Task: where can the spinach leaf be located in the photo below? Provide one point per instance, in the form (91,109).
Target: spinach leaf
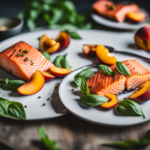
(50,144)
(16,109)
(84,87)
(46,55)
(130,108)
(86,74)
(94,100)
(122,68)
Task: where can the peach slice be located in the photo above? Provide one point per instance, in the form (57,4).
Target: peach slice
(59,72)
(34,86)
(48,76)
(136,16)
(53,48)
(42,41)
(49,42)
(142,94)
(142,38)
(111,103)
(104,55)
(64,39)
(89,50)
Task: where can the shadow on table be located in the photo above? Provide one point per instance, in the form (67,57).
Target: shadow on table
(4,146)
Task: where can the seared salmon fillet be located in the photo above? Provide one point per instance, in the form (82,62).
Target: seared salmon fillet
(113,11)
(101,83)
(22,60)
(139,74)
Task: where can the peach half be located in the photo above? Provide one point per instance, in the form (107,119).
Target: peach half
(53,48)
(34,86)
(42,42)
(104,55)
(49,42)
(48,76)
(136,16)
(59,72)
(142,38)
(64,39)
(112,102)
(142,94)
(89,50)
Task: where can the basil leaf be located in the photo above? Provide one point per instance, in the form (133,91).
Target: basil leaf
(33,14)
(146,139)
(86,74)
(130,108)
(46,55)
(65,63)
(73,34)
(16,109)
(4,106)
(50,144)
(105,69)
(84,87)
(122,68)
(31,24)
(94,100)
(125,144)
(12,84)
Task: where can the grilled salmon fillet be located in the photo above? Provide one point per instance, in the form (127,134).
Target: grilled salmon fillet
(113,11)
(139,74)
(101,83)
(22,60)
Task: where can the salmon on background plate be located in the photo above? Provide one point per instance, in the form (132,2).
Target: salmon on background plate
(22,60)
(101,83)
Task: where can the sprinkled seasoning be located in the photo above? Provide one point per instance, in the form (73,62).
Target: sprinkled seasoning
(39,97)
(43,104)
(20,55)
(13,47)
(72,90)
(20,50)
(14,50)
(48,99)
(110,7)
(25,106)
(26,59)
(90,86)
(127,64)
(32,63)
(26,51)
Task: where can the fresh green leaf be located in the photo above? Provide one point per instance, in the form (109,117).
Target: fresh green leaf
(31,24)
(146,139)
(21,15)
(122,68)
(50,144)
(73,34)
(94,100)
(47,18)
(125,144)
(33,13)
(35,4)
(46,55)
(11,84)
(65,63)
(4,106)
(130,108)
(69,5)
(86,74)
(16,109)
(46,7)
(105,69)
(84,87)
(57,15)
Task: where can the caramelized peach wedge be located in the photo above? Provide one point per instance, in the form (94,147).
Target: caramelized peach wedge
(104,55)
(48,76)
(142,94)
(59,72)
(34,86)
(89,50)
(112,102)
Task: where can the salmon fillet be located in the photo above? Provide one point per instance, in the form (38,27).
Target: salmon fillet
(101,83)
(139,74)
(119,11)
(22,60)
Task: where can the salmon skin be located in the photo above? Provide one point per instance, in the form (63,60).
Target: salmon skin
(22,60)
(116,12)
(101,83)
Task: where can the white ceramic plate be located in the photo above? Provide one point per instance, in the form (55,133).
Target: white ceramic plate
(121,41)
(124,25)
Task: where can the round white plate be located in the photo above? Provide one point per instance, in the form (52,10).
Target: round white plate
(124,25)
(121,41)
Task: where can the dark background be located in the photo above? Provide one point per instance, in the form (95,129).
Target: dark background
(13,7)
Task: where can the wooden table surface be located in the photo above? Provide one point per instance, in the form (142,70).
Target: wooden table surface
(70,132)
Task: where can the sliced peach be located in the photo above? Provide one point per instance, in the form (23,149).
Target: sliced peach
(136,16)
(50,42)
(142,38)
(89,50)
(104,55)
(34,86)
(64,39)
(42,41)
(59,72)
(53,48)
(142,94)
(111,103)
(48,76)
